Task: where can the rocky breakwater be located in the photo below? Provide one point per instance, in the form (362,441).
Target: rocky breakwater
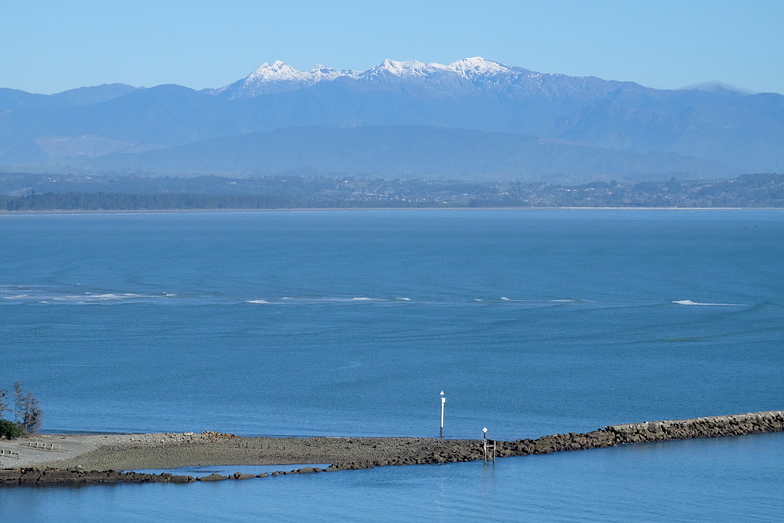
(55,476)
(610,436)
(31,476)
(708,427)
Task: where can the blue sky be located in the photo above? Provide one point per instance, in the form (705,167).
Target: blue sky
(48,46)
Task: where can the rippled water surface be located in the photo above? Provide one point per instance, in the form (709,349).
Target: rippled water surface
(350,323)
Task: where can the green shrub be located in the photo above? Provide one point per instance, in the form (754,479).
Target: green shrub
(10,430)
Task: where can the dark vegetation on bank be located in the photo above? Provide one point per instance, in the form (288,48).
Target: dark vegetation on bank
(26,413)
(62,192)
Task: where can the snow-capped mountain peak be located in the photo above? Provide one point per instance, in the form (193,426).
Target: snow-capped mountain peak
(275,72)
(408,67)
(477,66)
(280,77)
(322,72)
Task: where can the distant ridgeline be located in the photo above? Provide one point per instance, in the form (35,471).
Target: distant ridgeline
(61,192)
(472,119)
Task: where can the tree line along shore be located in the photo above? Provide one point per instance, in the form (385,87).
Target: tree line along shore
(104,463)
(21,192)
(26,412)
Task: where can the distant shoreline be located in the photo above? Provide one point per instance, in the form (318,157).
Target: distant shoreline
(396,209)
(61,192)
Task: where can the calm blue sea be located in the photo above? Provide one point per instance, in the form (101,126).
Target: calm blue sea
(350,323)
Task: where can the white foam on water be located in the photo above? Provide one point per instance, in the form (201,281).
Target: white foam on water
(48,294)
(257,301)
(689,302)
(19,297)
(90,297)
(334,299)
(109,296)
(112,296)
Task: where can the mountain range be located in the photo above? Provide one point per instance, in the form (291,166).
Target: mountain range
(474,118)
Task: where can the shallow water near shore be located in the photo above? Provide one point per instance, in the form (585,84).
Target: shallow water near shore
(350,324)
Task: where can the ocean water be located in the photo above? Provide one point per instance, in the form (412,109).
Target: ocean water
(350,323)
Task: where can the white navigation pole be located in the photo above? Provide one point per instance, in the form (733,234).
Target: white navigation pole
(484,440)
(443,401)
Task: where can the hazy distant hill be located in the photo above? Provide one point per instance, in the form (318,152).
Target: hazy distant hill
(411,152)
(588,126)
(735,129)
(14,99)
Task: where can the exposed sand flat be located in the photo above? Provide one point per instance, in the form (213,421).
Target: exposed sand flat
(171,450)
